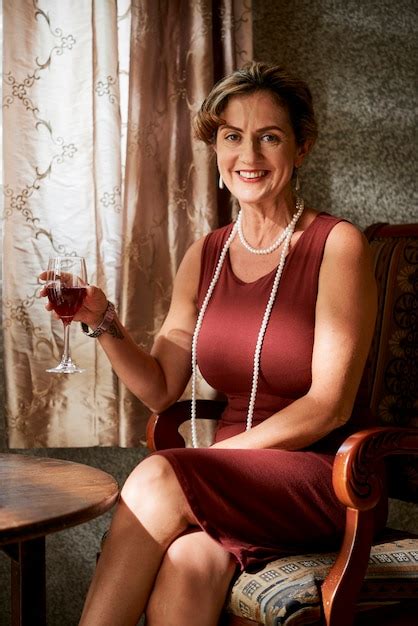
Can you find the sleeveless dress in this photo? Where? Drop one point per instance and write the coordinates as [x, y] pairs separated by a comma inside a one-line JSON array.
[[262, 504]]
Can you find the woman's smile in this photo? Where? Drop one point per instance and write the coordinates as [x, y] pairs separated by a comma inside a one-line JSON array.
[[252, 176]]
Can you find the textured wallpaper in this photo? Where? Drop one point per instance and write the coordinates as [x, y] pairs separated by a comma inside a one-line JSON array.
[[360, 59]]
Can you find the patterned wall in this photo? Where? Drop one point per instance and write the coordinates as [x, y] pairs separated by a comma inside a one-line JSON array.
[[360, 59]]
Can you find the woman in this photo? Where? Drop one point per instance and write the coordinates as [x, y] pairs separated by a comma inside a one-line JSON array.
[[279, 310]]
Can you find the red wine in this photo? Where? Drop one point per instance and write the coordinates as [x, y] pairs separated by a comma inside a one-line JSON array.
[[65, 300]]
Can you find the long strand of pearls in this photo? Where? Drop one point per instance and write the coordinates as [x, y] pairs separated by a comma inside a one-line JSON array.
[[266, 317], [288, 236], [279, 239], [198, 327]]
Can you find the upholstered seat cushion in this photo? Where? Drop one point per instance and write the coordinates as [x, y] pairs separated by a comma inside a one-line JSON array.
[[286, 592]]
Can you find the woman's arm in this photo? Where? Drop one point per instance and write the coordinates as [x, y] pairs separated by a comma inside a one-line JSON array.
[[159, 378], [345, 317]]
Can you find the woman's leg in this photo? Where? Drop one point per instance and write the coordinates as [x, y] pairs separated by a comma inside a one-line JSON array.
[[192, 583], [151, 513]]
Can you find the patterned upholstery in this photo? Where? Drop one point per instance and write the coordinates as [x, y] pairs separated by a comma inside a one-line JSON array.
[[286, 592], [393, 388]]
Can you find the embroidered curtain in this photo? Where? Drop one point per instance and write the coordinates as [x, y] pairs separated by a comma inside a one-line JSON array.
[[85, 83]]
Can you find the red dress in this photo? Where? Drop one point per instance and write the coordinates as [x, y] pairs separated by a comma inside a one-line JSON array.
[[260, 504]]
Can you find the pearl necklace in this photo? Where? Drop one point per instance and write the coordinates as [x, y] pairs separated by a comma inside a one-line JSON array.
[[289, 233], [279, 239]]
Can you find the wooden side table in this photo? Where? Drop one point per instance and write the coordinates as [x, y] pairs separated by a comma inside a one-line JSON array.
[[39, 496]]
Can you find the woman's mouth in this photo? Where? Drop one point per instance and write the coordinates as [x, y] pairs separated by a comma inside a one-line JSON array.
[[252, 176]]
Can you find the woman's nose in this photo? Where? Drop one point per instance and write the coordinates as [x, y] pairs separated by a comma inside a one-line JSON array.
[[249, 150]]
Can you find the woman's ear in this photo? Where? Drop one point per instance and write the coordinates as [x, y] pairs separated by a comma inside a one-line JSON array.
[[302, 151]]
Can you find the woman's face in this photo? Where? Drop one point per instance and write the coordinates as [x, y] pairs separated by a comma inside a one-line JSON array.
[[256, 149]]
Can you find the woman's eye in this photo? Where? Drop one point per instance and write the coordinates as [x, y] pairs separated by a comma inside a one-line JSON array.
[[269, 138], [232, 137]]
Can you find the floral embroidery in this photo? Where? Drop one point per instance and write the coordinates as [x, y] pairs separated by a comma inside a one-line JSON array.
[[104, 88]]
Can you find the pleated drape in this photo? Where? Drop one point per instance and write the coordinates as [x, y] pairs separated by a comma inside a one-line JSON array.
[[86, 83], [62, 131], [170, 182]]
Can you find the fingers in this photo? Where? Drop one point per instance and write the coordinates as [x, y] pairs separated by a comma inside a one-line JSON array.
[[44, 292], [93, 307], [63, 278]]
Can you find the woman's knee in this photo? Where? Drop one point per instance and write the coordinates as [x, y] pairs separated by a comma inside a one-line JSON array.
[[153, 483], [151, 474], [198, 551], [196, 561], [196, 558]]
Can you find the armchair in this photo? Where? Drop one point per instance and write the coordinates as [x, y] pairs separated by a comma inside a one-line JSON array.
[[367, 579]]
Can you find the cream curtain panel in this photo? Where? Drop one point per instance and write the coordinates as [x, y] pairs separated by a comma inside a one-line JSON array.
[[62, 185], [84, 84]]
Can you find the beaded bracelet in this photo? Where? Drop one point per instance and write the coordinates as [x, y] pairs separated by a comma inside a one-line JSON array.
[[104, 324]]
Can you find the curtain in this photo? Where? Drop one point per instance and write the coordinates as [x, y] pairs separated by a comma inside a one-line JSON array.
[[71, 70], [62, 184], [170, 193]]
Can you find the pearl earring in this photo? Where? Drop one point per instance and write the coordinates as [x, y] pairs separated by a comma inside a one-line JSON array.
[[297, 182], [221, 182]]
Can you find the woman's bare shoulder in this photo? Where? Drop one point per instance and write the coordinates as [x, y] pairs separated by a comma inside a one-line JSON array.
[[346, 238], [347, 250], [192, 256]]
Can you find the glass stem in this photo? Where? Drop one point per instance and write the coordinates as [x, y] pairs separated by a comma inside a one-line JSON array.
[[66, 352]]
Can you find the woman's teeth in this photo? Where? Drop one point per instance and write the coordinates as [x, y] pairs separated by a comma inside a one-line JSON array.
[[257, 174]]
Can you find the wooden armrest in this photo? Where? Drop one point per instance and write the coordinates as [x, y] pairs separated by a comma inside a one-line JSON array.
[[358, 470], [162, 429], [358, 479]]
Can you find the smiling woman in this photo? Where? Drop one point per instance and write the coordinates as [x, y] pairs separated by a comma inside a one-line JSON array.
[[261, 124], [260, 305]]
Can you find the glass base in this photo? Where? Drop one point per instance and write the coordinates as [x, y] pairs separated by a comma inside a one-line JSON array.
[[65, 367]]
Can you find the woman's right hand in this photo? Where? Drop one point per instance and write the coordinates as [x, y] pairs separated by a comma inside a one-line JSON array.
[[93, 308]]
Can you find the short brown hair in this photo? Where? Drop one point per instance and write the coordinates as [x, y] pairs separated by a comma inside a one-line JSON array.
[[290, 92]]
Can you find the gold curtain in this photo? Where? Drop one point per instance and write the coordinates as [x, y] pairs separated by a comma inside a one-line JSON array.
[[170, 182], [66, 68]]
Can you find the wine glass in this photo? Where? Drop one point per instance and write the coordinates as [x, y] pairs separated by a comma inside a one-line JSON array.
[[66, 290]]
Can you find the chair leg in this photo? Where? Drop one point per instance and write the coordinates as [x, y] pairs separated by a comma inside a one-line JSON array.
[[342, 585]]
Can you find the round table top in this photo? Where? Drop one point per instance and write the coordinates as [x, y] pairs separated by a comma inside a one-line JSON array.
[[41, 495]]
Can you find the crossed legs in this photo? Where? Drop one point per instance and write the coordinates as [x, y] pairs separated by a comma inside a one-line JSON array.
[[147, 560], [192, 583]]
